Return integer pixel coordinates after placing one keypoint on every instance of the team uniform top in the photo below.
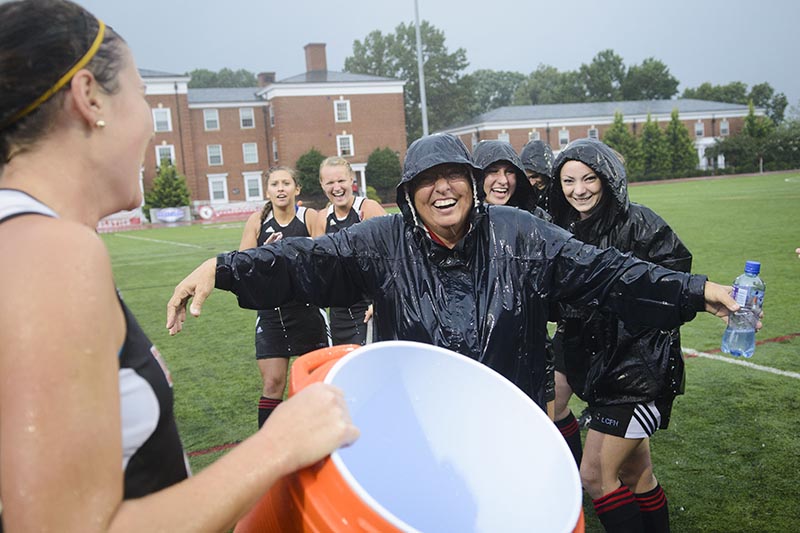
(152, 453)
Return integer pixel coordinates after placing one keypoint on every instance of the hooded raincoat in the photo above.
(537, 156)
(485, 298)
(608, 359)
(525, 196)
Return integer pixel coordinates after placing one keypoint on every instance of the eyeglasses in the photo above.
(430, 177)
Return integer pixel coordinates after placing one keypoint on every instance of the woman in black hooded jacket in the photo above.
(629, 374)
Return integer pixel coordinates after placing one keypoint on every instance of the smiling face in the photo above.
(443, 199)
(582, 188)
(282, 189)
(337, 182)
(499, 182)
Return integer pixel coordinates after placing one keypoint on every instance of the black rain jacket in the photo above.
(608, 359)
(486, 298)
(537, 156)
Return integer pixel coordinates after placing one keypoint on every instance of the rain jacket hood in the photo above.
(490, 152)
(427, 152)
(609, 168)
(537, 156)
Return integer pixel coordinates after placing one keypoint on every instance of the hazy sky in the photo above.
(718, 41)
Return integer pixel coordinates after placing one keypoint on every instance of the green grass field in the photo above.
(728, 462)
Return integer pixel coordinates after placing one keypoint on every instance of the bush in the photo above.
(169, 189)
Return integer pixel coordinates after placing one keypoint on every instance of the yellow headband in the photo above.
(90, 53)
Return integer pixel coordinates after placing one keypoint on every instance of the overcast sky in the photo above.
(718, 41)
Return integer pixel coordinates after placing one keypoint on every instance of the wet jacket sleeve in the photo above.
(656, 242)
(325, 272)
(639, 292)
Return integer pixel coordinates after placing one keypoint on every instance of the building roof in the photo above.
(331, 76)
(147, 73)
(223, 95)
(538, 113)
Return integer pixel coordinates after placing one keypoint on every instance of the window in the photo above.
(474, 140)
(165, 151)
(250, 152)
(341, 110)
(699, 129)
(344, 143)
(563, 138)
(214, 154)
(247, 119)
(162, 119)
(211, 119)
(271, 117)
(503, 136)
(252, 186)
(274, 150)
(592, 133)
(534, 135)
(724, 128)
(218, 188)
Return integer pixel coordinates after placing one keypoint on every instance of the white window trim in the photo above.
(699, 129)
(252, 117)
(275, 150)
(563, 134)
(171, 153)
(504, 136)
(727, 128)
(212, 178)
(336, 111)
(339, 145)
(206, 113)
(271, 117)
(534, 136)
(589, 133)
(155, 120)
(208, 154)
(258, 176)
(244, 153)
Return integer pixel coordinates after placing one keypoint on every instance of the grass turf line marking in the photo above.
(740, 362)
(158, 240)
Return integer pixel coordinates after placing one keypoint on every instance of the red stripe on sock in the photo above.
(651, 501)
(268, 403)
(613, 500)
(570, 429)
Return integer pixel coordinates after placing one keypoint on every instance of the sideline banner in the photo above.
(122, 221)
(230, 211)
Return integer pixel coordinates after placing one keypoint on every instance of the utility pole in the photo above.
(422, 100)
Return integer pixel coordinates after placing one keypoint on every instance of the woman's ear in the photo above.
(88, 101)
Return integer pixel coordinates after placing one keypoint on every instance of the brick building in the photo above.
(223, 140)
(558, 124)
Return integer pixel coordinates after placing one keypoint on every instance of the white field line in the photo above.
(741, 362)
(158, 241)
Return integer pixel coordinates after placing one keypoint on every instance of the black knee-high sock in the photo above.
(619, 512)
(655, 512)
(265, 408)
(570, 430)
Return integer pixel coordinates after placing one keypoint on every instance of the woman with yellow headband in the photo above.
(88, 441)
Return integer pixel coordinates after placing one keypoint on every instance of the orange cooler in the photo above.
(447, 444)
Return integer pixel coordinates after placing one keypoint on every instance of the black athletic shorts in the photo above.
(290, 330)
(631, 420)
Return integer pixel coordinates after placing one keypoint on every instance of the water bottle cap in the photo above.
(752, 267)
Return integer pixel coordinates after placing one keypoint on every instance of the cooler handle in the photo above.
(314, 366)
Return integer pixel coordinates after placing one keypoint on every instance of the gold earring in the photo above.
(100, 123)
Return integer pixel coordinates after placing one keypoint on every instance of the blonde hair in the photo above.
(336, 161)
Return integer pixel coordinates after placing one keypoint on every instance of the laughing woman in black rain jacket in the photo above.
(628, 373)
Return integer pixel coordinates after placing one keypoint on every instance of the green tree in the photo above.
(449, 96)
(493, 88)
(204, 78)
(546, 85)
(603, 77)
(383, 171)
(169, 189)
(682, 156)
(733, 93)
(307, 167)
(620, 138)
(649, 81)
(654, 151)
(763, 95)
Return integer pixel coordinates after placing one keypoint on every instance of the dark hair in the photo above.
(40, 41)
(267, 209)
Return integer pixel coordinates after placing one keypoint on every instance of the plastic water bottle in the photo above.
(748, 291)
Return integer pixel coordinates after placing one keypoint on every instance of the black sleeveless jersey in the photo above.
(333, 224)
(295, 228)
